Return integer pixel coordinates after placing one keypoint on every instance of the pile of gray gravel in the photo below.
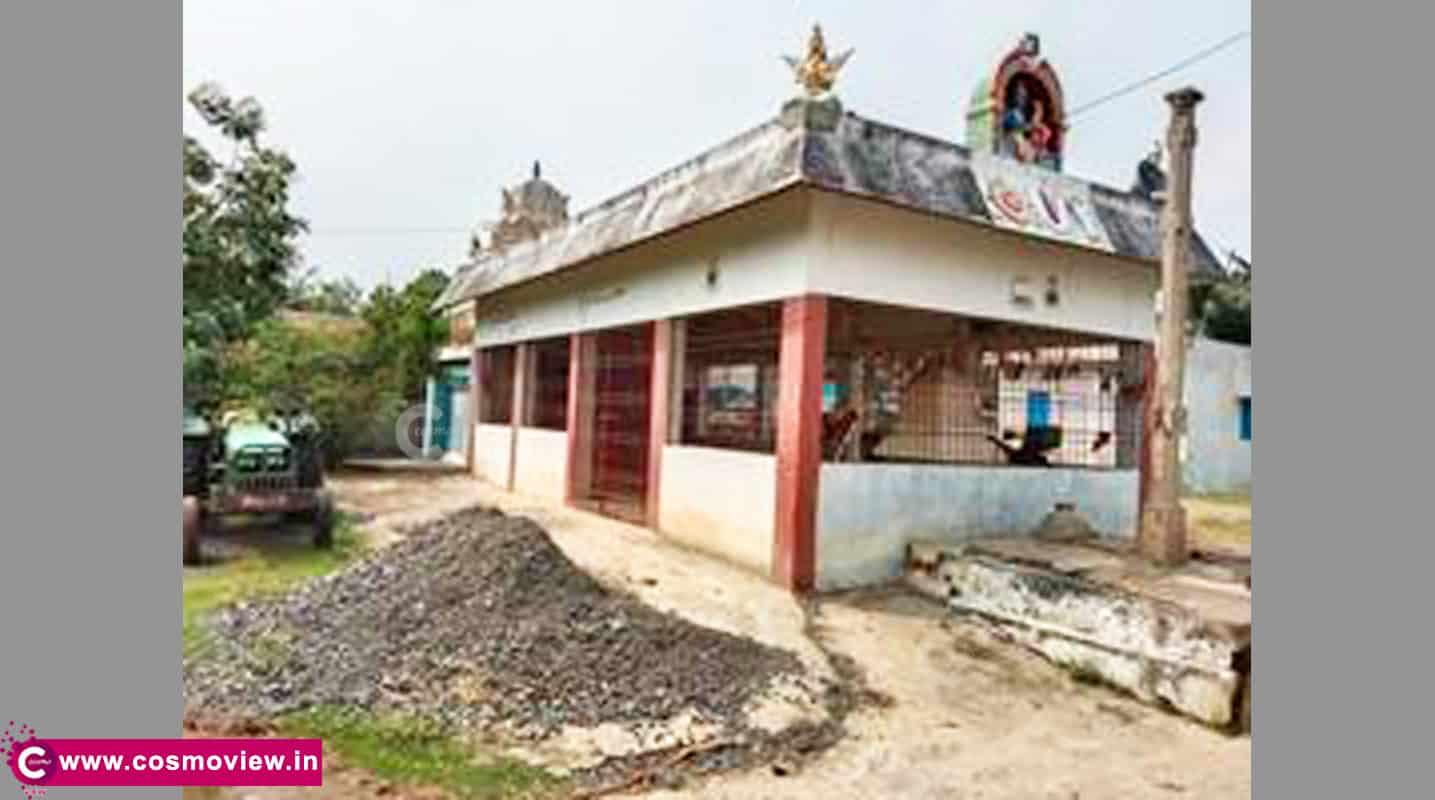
(475, 619)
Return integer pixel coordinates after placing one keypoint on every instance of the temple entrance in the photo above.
(618, 458)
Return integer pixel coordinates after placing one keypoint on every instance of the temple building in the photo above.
(827, 336)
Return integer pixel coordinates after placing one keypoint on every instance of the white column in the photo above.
(428, 416)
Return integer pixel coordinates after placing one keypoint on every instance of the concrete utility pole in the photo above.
(1163, 520)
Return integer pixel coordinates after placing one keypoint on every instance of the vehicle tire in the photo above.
(309, 466)
(196, 466)
(324, 521)
(192, 516)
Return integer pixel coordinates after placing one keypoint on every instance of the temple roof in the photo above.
(537, 196)
(821, 146)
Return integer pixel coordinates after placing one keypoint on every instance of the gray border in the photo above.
(89, 340)
(1345, 550)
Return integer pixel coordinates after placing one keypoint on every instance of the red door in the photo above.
(620, 425)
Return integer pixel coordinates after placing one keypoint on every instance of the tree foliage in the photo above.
(240, 252)
(404, 331)
(1221, 308)
(239, 238)
(339, 296)
(355, 377)
(284, 368)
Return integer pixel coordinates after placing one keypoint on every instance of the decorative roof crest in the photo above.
(815, 72)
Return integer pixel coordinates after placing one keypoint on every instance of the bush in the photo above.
(285, 368)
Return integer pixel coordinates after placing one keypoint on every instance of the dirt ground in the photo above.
(386, 502)
(970, 717)
(1220, 521)
(973, 717)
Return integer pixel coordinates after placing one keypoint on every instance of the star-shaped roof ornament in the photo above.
(815, 72)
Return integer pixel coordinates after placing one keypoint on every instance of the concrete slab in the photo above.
(1178, 638)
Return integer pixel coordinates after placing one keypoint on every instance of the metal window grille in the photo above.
(729, 378)
(550, 384)
(904, 385)
(496, 365)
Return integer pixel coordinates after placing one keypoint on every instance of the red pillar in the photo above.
(799, 439)
(660, 409)
(522, 356)
(582, 361)
(1148, 423)
(477, 379)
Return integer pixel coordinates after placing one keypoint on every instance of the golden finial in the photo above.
(816, 72)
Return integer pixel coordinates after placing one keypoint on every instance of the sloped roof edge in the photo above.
(856, 156)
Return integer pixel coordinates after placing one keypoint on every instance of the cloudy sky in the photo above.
(405, 118)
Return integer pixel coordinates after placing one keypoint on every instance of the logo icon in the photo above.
(31, 761)
(409, 431)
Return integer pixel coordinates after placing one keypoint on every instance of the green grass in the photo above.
(411, 752)
(272, 566)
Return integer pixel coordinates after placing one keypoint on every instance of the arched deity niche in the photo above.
(1018, 111)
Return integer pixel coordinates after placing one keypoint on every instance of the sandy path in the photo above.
(973, 717)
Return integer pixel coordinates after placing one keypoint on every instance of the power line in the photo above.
(1180, 65)
(379, 231)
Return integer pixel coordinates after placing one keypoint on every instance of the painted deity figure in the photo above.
(1026, 134)
(1040, 138)
(1014, 123)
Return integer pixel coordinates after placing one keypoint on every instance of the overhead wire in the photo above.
(1177, 67)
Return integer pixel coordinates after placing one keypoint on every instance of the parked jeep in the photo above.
(249, 464)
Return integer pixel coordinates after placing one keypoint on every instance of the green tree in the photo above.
(403, 330)
(1228, 313)
(239, 252)
(1221, 308)
(339, 296)
(285, 368)
(238, 242)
